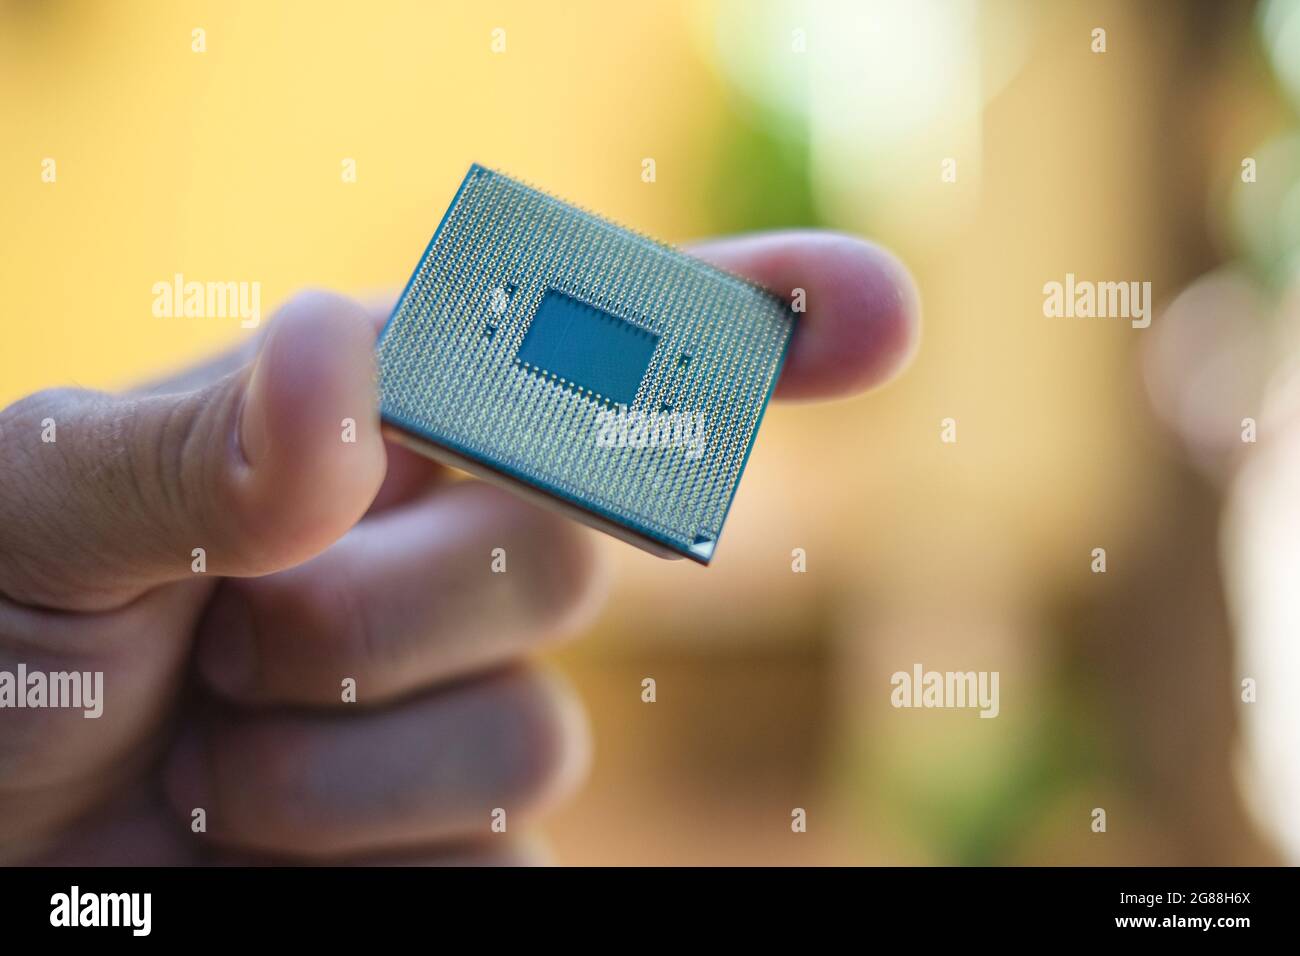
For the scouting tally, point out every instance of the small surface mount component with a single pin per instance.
(574, 360)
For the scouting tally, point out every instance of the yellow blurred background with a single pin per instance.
(1118, 689)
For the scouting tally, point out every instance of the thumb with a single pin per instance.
(256, 470)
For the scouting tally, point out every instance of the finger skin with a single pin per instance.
(252, 469)
(862, 322)
(57, 762)
(432, 769)
(861, 327)
(306, 484)
(405, 600)
(499, 849)
(409, 475)
(863, 318)
(134, 827)
(138, 828)
(96, 521)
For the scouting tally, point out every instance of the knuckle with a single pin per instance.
(23, 424)
(343, 616)
(48, 402)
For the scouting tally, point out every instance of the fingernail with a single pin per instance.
(252, 428)
(227, 654)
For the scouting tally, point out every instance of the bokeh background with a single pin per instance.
(1118, 690)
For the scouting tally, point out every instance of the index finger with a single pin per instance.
(862, 318)
(861, 326)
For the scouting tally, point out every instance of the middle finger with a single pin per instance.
(412, 596)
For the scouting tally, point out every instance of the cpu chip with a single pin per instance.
(582, 364)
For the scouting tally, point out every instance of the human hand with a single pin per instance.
(323, 560)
